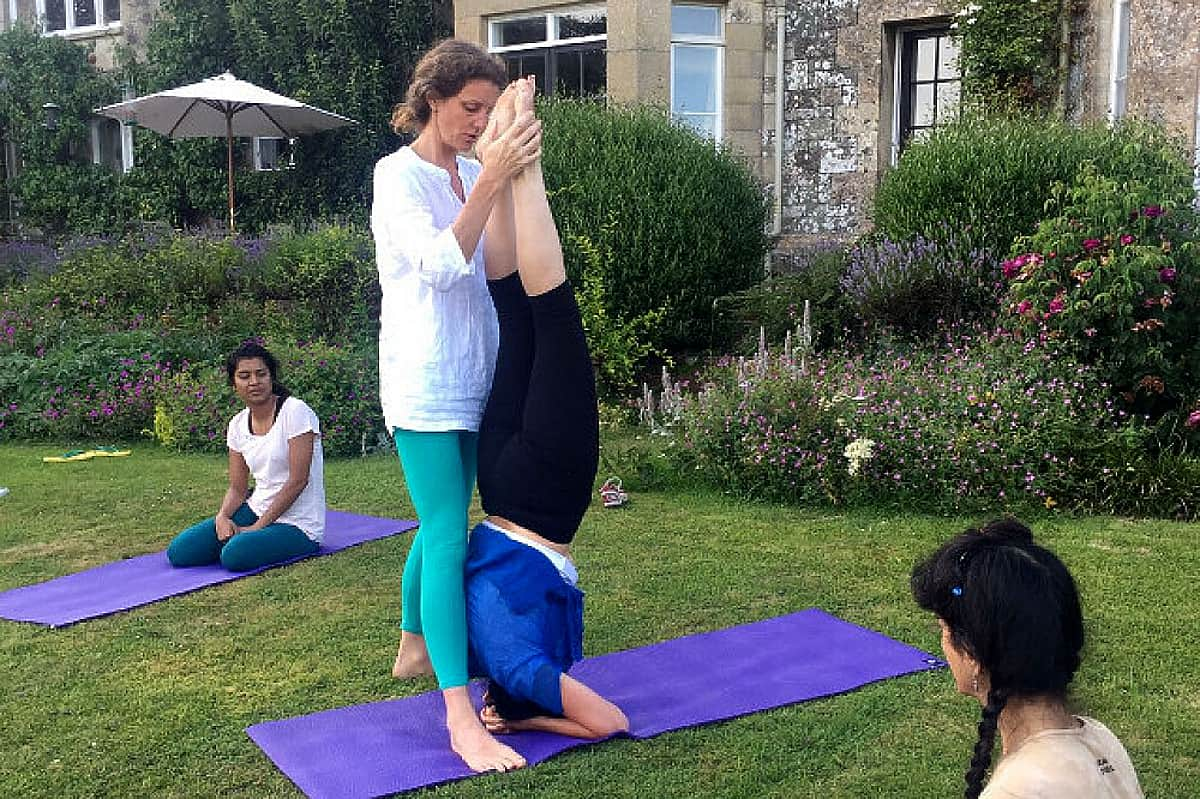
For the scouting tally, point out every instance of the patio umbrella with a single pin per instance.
(224, 106)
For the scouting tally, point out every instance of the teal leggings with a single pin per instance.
(439, 469)
(275, 543)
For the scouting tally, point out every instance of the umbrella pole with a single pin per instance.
(229, 161)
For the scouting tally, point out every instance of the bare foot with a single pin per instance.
(524, 95)
(477, 747)
(413, 658)
(500, 120)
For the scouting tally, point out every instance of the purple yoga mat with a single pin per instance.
(381, 748)
(127, 584)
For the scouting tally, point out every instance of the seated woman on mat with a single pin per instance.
(277, 439)
(1012, 631)
(538, 453)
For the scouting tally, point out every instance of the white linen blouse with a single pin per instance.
(438, 333)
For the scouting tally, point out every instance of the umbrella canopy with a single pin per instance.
(224, 106)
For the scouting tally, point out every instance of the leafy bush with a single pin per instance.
(683, 219)
(619, 345)
(776, 305)
(1115, 274)
(988, 178)
(920, 285)
(1009, 53)
(95, 387)
(327, 283)
(964, 425)
(340, 384)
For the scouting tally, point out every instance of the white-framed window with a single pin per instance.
(112, 144)
(272, 153)
(927, 83)
(1119, 69)
(69, 16)
(698, 67)
(565, 49)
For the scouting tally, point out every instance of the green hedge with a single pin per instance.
(987, 179)
(684, 220)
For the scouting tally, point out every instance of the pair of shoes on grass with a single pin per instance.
(86, 455)
(611, 493)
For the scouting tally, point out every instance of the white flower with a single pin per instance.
(857, 452)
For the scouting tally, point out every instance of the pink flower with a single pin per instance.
(1152, 211)
(1193, 419)
(1090, 244)
(1011, 269)
(1166, 274)
(1023, 306)
(1091, 331)
(1057, 304)
(1126, 240)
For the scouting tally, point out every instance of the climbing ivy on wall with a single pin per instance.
(1010, 52)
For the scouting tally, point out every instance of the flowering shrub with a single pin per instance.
(1116, 276)
(103, 388)
(1009, 51)
(915, 285)
(962, 425)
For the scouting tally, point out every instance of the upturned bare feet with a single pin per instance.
(500, 120)
(412, 660)
(470, 741)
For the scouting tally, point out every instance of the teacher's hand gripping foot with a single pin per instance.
(538, 453)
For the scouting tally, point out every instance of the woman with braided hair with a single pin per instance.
(1012, 631)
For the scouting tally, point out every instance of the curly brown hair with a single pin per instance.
(442, 73)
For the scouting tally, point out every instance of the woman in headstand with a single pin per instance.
(437, 348)
(538, 453)
(1012, 631)
(276, 439)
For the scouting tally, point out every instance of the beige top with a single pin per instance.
(1087, 762)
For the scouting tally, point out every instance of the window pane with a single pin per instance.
(112, 10)
(568, 75)
(535, 64)
(695, 21)
(704, 124)
(694, 80)
(595, 72)
(947, 102)
(582, 23)
(520, 31)
(85, 13)
(56, 15)
(108, 134)
(947, 58)
(923, 111)
(925, 58)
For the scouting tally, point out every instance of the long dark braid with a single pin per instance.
(986, 742)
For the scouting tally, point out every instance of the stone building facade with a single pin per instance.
(99, 25)
(821, 95)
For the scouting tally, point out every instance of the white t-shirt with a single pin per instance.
(267, 457)
(1087, 762)
(438, 333)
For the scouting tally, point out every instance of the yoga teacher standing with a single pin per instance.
(277, 439)
(437, 347)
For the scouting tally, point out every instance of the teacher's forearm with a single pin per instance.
(468, 227)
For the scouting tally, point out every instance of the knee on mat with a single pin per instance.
(612, 722)
(238, 558)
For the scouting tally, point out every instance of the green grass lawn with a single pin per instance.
(153, 702)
